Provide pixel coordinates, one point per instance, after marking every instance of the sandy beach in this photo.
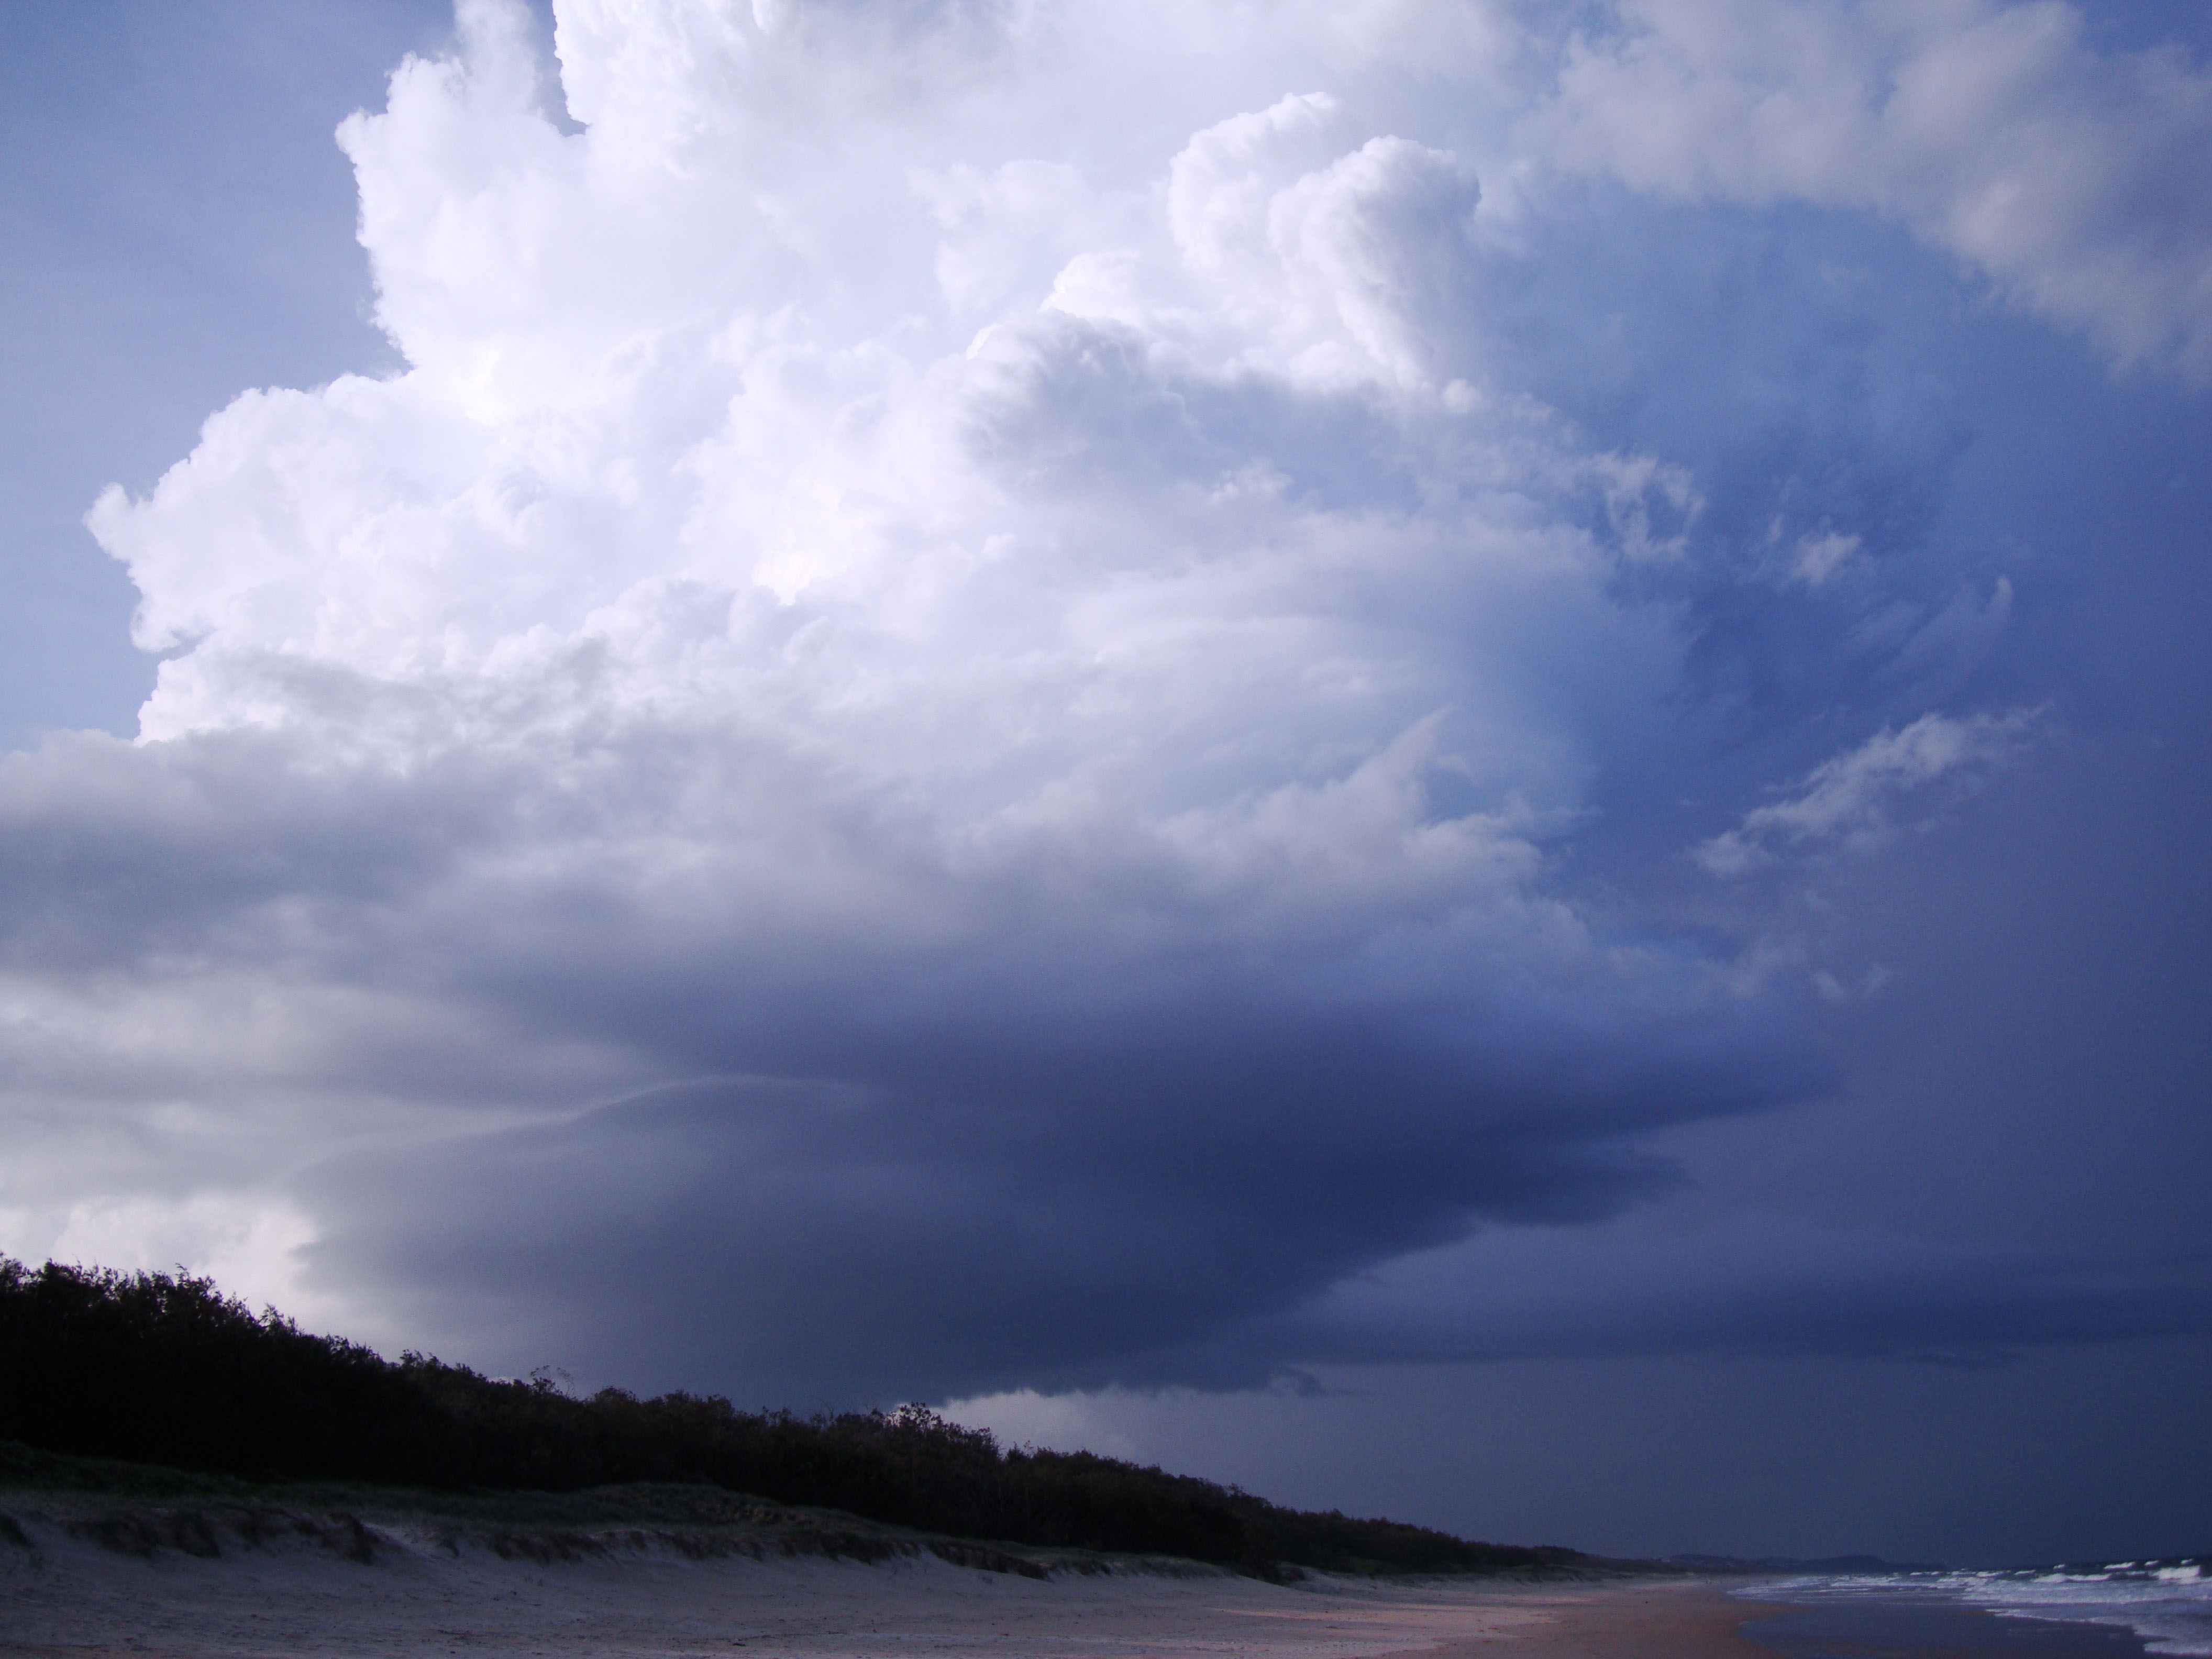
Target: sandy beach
(828, 1611)
(67, 1588)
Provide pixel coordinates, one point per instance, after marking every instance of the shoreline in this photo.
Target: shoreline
(1708, 1619)
(301, 1587)
(1877, 1627)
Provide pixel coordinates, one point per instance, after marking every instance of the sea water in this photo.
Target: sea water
(2165, 1604)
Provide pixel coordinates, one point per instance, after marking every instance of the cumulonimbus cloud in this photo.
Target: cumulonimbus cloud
(948, 746)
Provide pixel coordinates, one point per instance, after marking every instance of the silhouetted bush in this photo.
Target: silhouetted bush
(152, 1369)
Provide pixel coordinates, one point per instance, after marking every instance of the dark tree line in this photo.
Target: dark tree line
(149, 1368)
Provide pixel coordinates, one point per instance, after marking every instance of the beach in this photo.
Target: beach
(79, 1577)
(82, 1578)
(842, 1610)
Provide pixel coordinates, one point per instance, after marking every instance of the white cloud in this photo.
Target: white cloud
(1848, 801)
(1819, 558)
(1997, 131)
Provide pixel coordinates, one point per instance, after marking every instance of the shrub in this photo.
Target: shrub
(153, 1369)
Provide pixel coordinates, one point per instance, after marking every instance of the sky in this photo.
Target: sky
(1452, 758)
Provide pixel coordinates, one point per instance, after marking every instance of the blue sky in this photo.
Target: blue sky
(1449, 758)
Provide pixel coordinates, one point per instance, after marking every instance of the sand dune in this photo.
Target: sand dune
(82, 1577)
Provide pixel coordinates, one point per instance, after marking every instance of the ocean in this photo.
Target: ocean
(2106, 1610)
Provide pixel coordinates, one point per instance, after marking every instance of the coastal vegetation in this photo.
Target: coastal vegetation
(156, 1368)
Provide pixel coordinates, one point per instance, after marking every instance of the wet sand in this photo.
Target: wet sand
(1878, 1628)
(1680, 1619)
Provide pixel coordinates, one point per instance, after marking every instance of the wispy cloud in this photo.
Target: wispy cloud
(1852, 801)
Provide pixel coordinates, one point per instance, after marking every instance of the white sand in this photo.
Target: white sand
(286, 1594)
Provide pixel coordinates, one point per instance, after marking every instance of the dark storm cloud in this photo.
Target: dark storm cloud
(1011, 1150)
(1769, 1287)
(1021, 1206)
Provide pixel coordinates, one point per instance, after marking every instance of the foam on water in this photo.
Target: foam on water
(2168, 1603)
